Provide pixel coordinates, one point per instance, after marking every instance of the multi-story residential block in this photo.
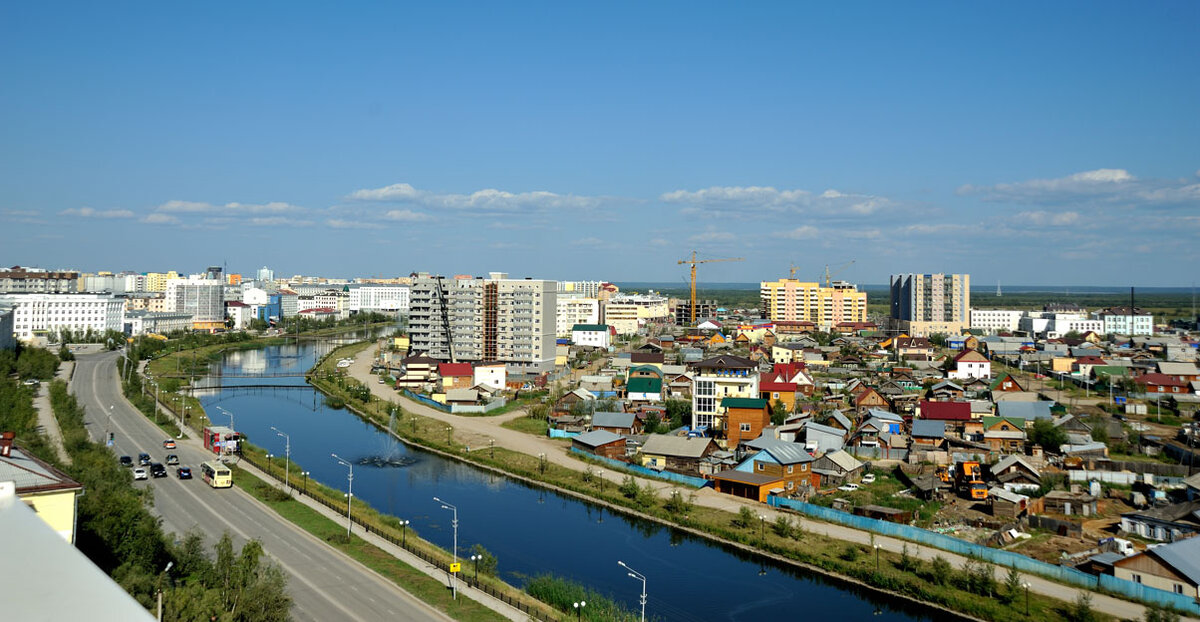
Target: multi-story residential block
(622, 316)
(1120, 321)
(924, 304)
(493, 319)
(265, 275)
(19, 280)
(46, 315)
(996, 320)
(792, 300)
(571, 310)
(718, 378)
(586, 289)
(289, 304)
(157, 281)
(627, 313)
(204, 299)
(379, 298)
(1056, 325)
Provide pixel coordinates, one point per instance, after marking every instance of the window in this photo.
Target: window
(1136, 578)
(1178, 588)
(760, 466)
(791, 468)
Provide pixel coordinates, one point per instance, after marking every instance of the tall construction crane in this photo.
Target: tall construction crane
(836, 271)
(792, 271)
(693, 261)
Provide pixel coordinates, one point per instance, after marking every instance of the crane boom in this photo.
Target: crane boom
(693, 261)
(829, 274)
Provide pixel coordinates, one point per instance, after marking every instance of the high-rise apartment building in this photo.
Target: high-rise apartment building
(157, 281)
(203, 298)
(587, 289)
(571, 310)
(924, 304)
(799, 301)
(493, 319)
(265, 275)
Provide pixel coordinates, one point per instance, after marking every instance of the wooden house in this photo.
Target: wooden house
(601, 443)
(746, 418)
(676, 453)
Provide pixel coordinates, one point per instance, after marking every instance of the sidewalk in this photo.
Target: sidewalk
(46, 421)
(403, 555)
(477, 431)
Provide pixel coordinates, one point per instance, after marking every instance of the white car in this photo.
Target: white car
(848, 487)
(869, 478)
(140, 473)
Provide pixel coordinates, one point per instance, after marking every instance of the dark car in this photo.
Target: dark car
(126, 461)
(143, 458)
(172, 459)
(183, 473)
(158, 470)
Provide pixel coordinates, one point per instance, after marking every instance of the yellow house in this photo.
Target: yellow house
(401, 343)
(1063, 363)
(45, 489)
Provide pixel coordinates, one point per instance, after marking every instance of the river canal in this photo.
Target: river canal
(529, 530)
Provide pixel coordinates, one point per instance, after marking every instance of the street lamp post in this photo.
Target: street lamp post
(160, 589)
(542, 463)
(476, 558)
(492, 445)
(269, 456)
(349, 492)
(449, 435)
(305, 474)
(877, 558)
(108, 426)
(637, 575)
(454, 523)
(1026, 586)
(579, 609)
(287, 464)
(404, 534)
(762, 530)
(231, 426)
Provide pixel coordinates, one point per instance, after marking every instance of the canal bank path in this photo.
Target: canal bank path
(478, 431)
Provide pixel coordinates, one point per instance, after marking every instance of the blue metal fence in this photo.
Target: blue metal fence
(426, 401)
(686, 480)
(1064, 574)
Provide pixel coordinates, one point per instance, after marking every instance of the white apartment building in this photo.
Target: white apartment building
(622, 316)
(19, 279)
(996, 320)
(571, 310)
(493, 319)
(716, 379)
(382, 298)
(1119, 321)
(1056, 325)
(265, 275)
(586, 289)
(46, 314)
(203, 298)
(7, 340)
(142, 322)
(628, 312)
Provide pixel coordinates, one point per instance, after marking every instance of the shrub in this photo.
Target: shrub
(744, 519)
(1081, 609)
(782, 526)
(850, 553)
(940, 570)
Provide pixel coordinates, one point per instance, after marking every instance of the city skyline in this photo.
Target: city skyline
(1024, 144)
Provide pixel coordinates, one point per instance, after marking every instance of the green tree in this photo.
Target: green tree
(629, 487)
(679, 413)
(1012, 585)
(1048, 435)
(940, 570)
(487, 561)
(744, 518)
(1081, 609)
(1156, 613)
(779, 413)
(782, 526)
(938, 339)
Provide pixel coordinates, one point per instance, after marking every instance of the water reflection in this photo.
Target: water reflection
(533, 531)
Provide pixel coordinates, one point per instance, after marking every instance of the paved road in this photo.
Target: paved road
(323, 583)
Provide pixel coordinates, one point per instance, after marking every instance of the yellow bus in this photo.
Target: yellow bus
(216, 474)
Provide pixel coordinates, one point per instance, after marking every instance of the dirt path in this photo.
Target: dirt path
(478, 431)
(46, 420)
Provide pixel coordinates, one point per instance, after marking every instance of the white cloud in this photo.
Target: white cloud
(806, 232)
(406, 215)
(278, 221)
(830, 202)
(194, 207)
(338, 223)
(713, 236)
(488, 199)
(1106, 186)
(659, 242)
(160, 219)
(590, 242)
(1043, 218)
(938, 229)
(88, 212)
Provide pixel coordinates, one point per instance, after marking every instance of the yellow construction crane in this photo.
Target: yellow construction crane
(830, 274)
(693, 261)
(793, 270)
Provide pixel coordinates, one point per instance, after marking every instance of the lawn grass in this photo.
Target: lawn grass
(536, 427)
(403, 575)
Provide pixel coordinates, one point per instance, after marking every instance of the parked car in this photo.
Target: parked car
(158, 470)
(869, 478)
(126, 461)
(31, 382)
(144, 459)
(139, 473)
(169, 444)
(183, 473)
(848, 487)
(172, 459)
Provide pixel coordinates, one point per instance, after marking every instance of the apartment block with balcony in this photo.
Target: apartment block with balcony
(571, 310)
(203, 298)
(791, 300)
(21, 280)
(925, 304)
(996, 320)
(715, 379)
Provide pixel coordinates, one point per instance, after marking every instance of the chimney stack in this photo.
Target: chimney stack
(6, 443)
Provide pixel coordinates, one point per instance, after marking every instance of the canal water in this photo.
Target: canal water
(529, 530)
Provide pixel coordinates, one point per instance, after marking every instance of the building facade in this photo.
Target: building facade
(716, 379)
(704, 309)
(793, 300)
(996, 320)
(586, 289)
(379, 298)
(493, 319)
(204, 299)
(21, 280)
(47, 315)
(571, 310)
(924, 304)
(7, 318)
(1120, 321)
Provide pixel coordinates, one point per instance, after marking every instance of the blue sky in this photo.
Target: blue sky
(1030, 143)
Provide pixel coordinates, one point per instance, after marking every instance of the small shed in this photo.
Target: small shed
(747, 485)
(1064, 502)
(1006, 503)
(881, 512)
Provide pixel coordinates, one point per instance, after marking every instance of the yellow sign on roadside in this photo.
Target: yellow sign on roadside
(456, 567)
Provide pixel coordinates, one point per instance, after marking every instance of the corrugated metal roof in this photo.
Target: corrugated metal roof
(676, 446)
(1183, 556)
(596, 438)
(929, 429)
(612, 420)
